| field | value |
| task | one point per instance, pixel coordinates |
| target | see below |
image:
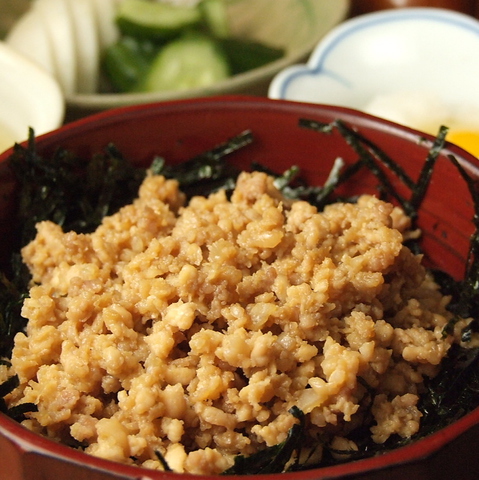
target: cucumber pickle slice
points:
(192, 61)
(155, 20)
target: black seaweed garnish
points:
(73, 192)
(273, 459)
(18, 412)
(207, 172)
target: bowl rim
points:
(29, 441)
(278, 88)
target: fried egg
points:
(426, 112)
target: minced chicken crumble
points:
(192, 330)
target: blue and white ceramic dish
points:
(430, 50)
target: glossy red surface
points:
(179, 130)
(359, 7)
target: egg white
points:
(427, 112)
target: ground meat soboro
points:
(192, 331)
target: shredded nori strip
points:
(68, 190)
(206, 172)
(370, 157)
(273, 459)
(18, 412)
(163, 461)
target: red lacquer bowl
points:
(182, 129)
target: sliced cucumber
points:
(146, 19)
(245, 55)
(192, 61)
(215, 16)
(126, 62)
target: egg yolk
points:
(465, 139)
